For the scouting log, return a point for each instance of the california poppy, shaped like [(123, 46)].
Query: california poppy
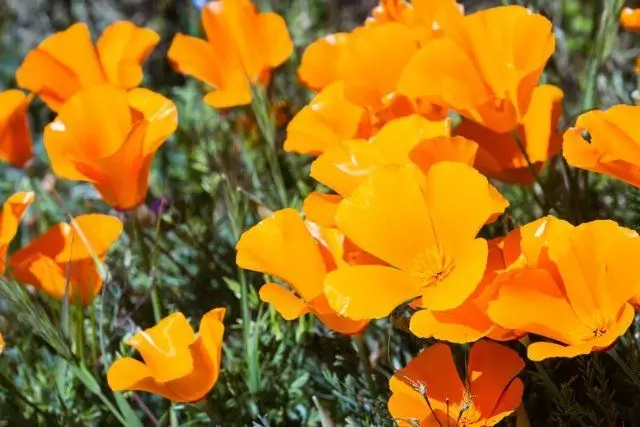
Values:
[(584, 304), (10, 215), (243, 46), (67, 62), (426, 235), (67, 253), (468, 322), (606, 142), (630, 19), (485, 68), (15, 136), (178, 365), (430, 392), (282, 245), (108, 137), (501, 157), (328, 120)]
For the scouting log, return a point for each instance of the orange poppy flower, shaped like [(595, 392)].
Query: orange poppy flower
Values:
[(67, 62), (10, 215), (177, 365), (630, 19), (283, 246), (328, 120), (583, 305), (430, 392), (501, 157), (64, 254), (426, 235), (486, 69), (108, 137), (606, 142), (243, 46), (468, 322), (15, 136)]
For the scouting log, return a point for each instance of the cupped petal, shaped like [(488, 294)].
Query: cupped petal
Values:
[(165, 348), (94, 124), (491, 370), (443, 148), (41, 272), (130, 374), (385, 48), (15, 135), (529, 300), (617, 328), (409, 409), (62, 64), (12, 211), (596, 264), (282, 246), (122, 178), (89, 235), (161, 114), (194, 57), (321, 208), (286, 303), (206, 352), (367, 291), (317, 67), (122, 48), (469, 262), (459, 213), (326, 122), (387, 216), (276, 43)]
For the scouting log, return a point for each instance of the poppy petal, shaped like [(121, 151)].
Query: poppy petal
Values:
[(334, 321), (122, 48), (281, 246), (367, 291), (286, 303), (321, 208), (539, 351), (160, 112), (463, 324), (507, 403), (130, 374), (387, 216), (194, 57), (317, 67), (15, 135)]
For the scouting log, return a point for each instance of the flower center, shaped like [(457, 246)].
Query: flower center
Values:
[(599, 327), (431, 267), (469, 415)]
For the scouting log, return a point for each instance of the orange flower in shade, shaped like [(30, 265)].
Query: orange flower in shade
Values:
[(429, 392), (426, 235), (177, 365), (10, 215), (243, 46), (583, 302), (486, 69), (606, 142), (15, 136), (300, 254), (108, 137), (67, 62), (65, 252), (501, 157), (630, 19)]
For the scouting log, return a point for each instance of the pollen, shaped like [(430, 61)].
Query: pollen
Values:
[(431, 267)]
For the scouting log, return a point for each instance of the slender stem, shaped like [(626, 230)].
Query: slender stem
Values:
[(94, 332), (627, 370), (541, 201), (146, 262), (361, 346), (80, 332)]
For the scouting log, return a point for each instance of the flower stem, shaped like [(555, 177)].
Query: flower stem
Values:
[(627, 370), (147, 265), (361, 346)]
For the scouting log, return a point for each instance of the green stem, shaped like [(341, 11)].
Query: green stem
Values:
[(543, 202), (266, 124), (80, 332), (94, 333), (146, 262), (627, 370), (366, 364)]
